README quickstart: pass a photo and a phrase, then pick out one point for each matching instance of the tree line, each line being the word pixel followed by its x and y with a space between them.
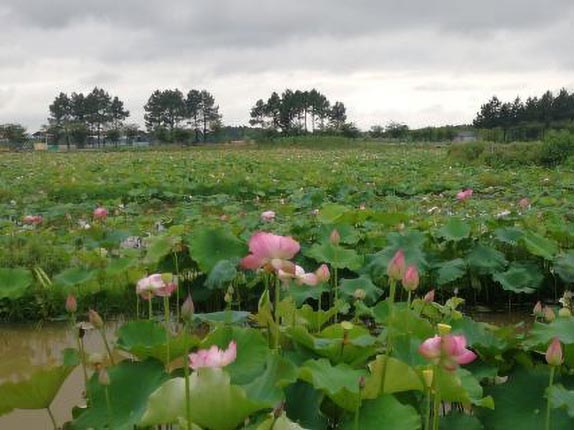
pixel 300 112
pixel 528 120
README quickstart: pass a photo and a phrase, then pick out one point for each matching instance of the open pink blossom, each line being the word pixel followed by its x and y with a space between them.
pixel 464 195
pixel 213 357
pixel 266 248
pixel 155 285
pixel 298 275
pixel 268 216
pixel 100 213
pixel 447 351
pixel 33 219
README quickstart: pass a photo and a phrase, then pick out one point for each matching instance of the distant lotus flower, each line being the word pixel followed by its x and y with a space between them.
pixel 429 297
pixel 396 267
pixel 33 219
pixel 464 195
pixel 323 273
pixel 335 237
pixel 524 203
pixel 100 213
pixel 554 355
pixel 268 216
pixel 213 357
pixel 95 319
pixel 411 278
pixel 266 248
pixel 537 311
pixel 447 351
pixel 71 304
pixel 155 285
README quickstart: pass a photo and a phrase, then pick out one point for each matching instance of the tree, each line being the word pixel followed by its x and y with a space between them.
pixel 210 117
pixel 98 111
pixel 164 109
pixel 60 117
pixel 258 113
pixel 193 111
pixel 489 114
pixel 337 116
pixel 396 130
pixel 14 134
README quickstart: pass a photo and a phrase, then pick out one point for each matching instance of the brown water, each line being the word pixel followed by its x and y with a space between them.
pixel 24 347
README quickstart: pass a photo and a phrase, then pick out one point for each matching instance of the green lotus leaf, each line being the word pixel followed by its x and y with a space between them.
pixel 221 275
pixel 486 260
pixel 458 421
pixel 209 246
pixel 279 423
pixel 14 282
pixel 451 271
pixel 540 246
pixel 267 388
pixel 336 256
pixel 399 377
pixel 350 286
pixel 561 398
pixel 454 230
pixel 520 278
pixel 385 412
pixel 564 266
pixel 509 235
pixel 304 405
pixel 131 383
pixel 74 276
pixel 158 248
pixel 541 334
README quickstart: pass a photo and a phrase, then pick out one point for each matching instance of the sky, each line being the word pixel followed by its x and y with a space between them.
pixel 420 62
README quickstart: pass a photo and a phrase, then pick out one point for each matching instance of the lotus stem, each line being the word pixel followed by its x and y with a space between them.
pixel 428 409
pixel 550 382
pixel 177 288
pixel 166 316
pixel 54 423
pixel 109 405
pixel 276 298
pixel 335 289
pixel 107 345
pixel 149 309
pixel 187 397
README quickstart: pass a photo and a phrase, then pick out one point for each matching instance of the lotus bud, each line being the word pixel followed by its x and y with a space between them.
pixel 359 294
pixel 411 278
pixel 335 237
pixel 549 314
pixel 95 319
pixel 268 216
pixel 554 355
pixel 537 311
pixel 443 329
pixel 103 377
pixel 564 313
pixel 396 267
pixel 429 297
pixel 71 304
pixel 323 273
pixel 428 376
pixel 187 309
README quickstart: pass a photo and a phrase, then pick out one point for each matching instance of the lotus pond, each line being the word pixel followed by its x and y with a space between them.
pixel 289 288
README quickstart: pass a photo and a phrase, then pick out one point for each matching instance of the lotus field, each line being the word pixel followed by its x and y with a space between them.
pixel 275 288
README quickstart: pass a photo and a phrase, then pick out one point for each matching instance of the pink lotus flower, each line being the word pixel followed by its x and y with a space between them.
pixel 464 195
pixel 268 216
pixel 554 355
pixel 323 273
pixel 335 237
pixel 298 274
pixel 396 267
pixel 411 278
pixel 429 297
pixel 524 203
pixel 447 351
pixel 100 213
pixel 71 304
pixel 155 285
pixel 269 251
pixel 213 357
pixel 33 219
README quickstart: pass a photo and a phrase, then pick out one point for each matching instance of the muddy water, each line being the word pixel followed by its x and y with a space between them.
pixel 22 348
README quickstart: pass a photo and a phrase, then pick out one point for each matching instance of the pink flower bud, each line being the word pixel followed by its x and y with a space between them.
pixel 71 304
pixel 411 278
pixel 554 355
pixel 100 213
pixel 268 216
pixel 429 297
pixel 396 267
pixel 335 237
pixel 464 195
pixel 187 309
pixel 323 273
pixel 549 314
pixel 537 311
pixel 95 319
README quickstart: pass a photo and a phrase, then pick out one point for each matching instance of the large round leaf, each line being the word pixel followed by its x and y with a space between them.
pixel 14 282
pixel 209 246
pixel 520 278
pixel 454 230
pixel 385 412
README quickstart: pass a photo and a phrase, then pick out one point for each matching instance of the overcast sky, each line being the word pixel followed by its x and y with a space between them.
pixel 422 62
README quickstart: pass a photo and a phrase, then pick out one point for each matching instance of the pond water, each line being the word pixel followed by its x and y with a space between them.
pixel 23 347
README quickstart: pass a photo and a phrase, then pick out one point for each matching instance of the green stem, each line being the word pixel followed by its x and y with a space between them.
pixel 166 316
pixel 550 382
pixel 409 299
pixel 357 414
pixel 109 406
pixel 54 423
pixel 428 409
pixel 276 298
pixel 107 345
pixel 436 410
pixel 137 306
pixel 149 309
pixel 187 398
pixel 335 289
pixel 177 288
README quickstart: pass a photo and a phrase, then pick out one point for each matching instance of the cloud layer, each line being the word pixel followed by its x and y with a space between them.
pixel 421 61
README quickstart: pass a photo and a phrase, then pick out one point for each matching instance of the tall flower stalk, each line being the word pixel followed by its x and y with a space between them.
pixel 555 358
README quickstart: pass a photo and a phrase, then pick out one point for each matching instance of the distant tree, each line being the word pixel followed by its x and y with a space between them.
pixel 131 132
pixel 210 117
pixel 98 111
pixel 193 104
pixel 14 134
pixel 258 113
pixel 60 117
pixel 377 131
pixel 164 109
pixel 337 116
pixel 489 114
pixel 350 130
pixel 396 130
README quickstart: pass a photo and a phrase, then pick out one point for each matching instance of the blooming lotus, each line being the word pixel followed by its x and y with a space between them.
pixel 464 195
pixel 270 251
pixel 155 285
pixel 323 273
pixel 33 219
pixel 396 268
pixel 213 357
pixel 447 351
pixel 268 216
pixel 297 273
pixel 100 213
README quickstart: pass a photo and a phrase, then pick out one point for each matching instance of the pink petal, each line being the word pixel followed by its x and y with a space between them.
pixel 431 348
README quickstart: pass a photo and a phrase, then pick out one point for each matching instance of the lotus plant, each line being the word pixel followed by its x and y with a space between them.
pixel 447 351
pixel 554 357
pixel 100 213
pixel 213 357
pixel 464 195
